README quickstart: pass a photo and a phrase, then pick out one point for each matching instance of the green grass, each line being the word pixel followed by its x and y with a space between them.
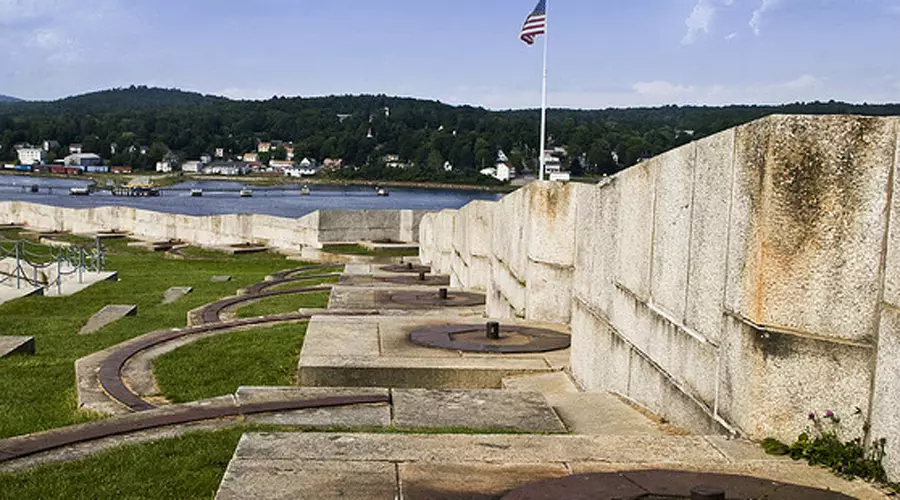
pixel 305 283
pixel 361 250
pixel 38 392
pixel 324 270
pixel 217 366
pixel 281 304
pixel 188 466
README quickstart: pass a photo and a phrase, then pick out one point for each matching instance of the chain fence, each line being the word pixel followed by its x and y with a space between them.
pixel 24 263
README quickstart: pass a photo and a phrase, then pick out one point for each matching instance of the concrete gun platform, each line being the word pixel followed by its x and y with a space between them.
pixel 107 316
pixel 390 300
pixel 417 467
pixel 375 351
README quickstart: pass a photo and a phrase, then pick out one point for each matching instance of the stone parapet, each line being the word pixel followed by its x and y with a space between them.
pixel 733 284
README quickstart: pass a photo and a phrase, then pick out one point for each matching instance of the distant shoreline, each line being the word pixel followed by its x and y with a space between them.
pixel 170 179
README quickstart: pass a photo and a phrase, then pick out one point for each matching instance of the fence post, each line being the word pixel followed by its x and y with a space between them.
pixel 18 267
pixel 80 257
pixel 58 274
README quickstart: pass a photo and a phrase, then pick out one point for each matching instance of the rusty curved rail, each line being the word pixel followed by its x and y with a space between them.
pixel 110 378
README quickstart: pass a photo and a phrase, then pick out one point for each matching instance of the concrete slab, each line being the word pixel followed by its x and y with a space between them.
pixel 74 285
pixel 316 465
pixel 8 293
pixel 471 481
pixel 375 351
pixel 220 279
pixel 107 316
pixel 357 416
pixel 474 409
pixel 325 480
pixel 175 293
pixel 379 298
pixel 596 413
pixel 16 345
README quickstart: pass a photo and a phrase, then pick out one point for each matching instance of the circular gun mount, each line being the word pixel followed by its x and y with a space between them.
pixel 413 280
pixel 491 337
pixel 441 298
pixel 408 267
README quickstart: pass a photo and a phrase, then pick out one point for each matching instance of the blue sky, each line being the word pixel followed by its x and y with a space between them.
pixel 603 53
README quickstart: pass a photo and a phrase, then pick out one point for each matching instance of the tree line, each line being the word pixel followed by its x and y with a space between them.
pixel 363 129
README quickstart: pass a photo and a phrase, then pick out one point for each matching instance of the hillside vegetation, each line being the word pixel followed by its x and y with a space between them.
pixel 426 133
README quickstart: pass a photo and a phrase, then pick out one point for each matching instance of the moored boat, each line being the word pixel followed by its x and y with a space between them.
pixel 80 191
pixel 246 193
pixel 196 192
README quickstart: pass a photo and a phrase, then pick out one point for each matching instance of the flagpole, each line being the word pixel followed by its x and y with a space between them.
pixel 544 96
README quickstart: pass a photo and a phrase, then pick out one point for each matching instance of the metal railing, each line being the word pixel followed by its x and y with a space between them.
pixel 30 260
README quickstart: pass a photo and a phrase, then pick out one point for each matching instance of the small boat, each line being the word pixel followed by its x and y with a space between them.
pixel 304 191
pixel 35 188
pixel 79 191
pixel 196 192
pixel 382 192
pixel 246 193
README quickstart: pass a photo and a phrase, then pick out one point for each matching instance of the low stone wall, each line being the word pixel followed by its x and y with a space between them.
pixel 736 283
pixel 312 230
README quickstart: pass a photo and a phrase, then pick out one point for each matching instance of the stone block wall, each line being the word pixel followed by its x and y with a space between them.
pixel 312 230
pixel 733 284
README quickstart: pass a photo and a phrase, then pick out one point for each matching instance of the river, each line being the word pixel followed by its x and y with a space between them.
pixel 221 197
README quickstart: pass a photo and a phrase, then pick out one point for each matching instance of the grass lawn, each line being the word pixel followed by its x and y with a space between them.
pixel 38 392
pixel 354 249
pixel 188 466
pixel 217 366
pixel 281 304
pixel 305 283
pixel 324 270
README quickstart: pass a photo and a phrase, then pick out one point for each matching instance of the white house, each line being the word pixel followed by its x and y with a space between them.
pixel 82 160
pixel 281 164
pixel 552 162
pixel 220 152
pixel 164 166
pixel 306 168
pixel 448 167
pixel 192 167
pixel 30 156
pixel 75 149
pixel 248 157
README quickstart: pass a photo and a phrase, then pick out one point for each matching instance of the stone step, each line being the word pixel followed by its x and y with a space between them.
pixel 418 466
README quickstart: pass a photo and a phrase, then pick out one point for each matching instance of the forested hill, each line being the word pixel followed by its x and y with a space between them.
pixel 423 132
pixel 6 98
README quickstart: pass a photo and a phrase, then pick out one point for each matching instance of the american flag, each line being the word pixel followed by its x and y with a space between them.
pixel 536 24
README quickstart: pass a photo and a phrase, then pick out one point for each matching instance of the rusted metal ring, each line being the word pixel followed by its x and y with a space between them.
pixel 473 338
pixel 430 280
pixel 433 298
pixel 405 268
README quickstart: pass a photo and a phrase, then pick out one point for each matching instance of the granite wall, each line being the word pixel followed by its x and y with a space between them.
pixel 735 284
pixel 312 230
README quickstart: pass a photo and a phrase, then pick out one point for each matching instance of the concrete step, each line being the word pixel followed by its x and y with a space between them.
pixel 412 466
pixel 589 412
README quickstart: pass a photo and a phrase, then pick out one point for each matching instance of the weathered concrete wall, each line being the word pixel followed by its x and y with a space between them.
pixel 738 282
pixel 311 230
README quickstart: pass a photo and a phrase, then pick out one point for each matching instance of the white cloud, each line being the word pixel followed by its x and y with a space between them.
pixel 660 88
pixel 803 82
pixel 699 21
pixel 731 36
pixel 758 14
pixel 701 18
